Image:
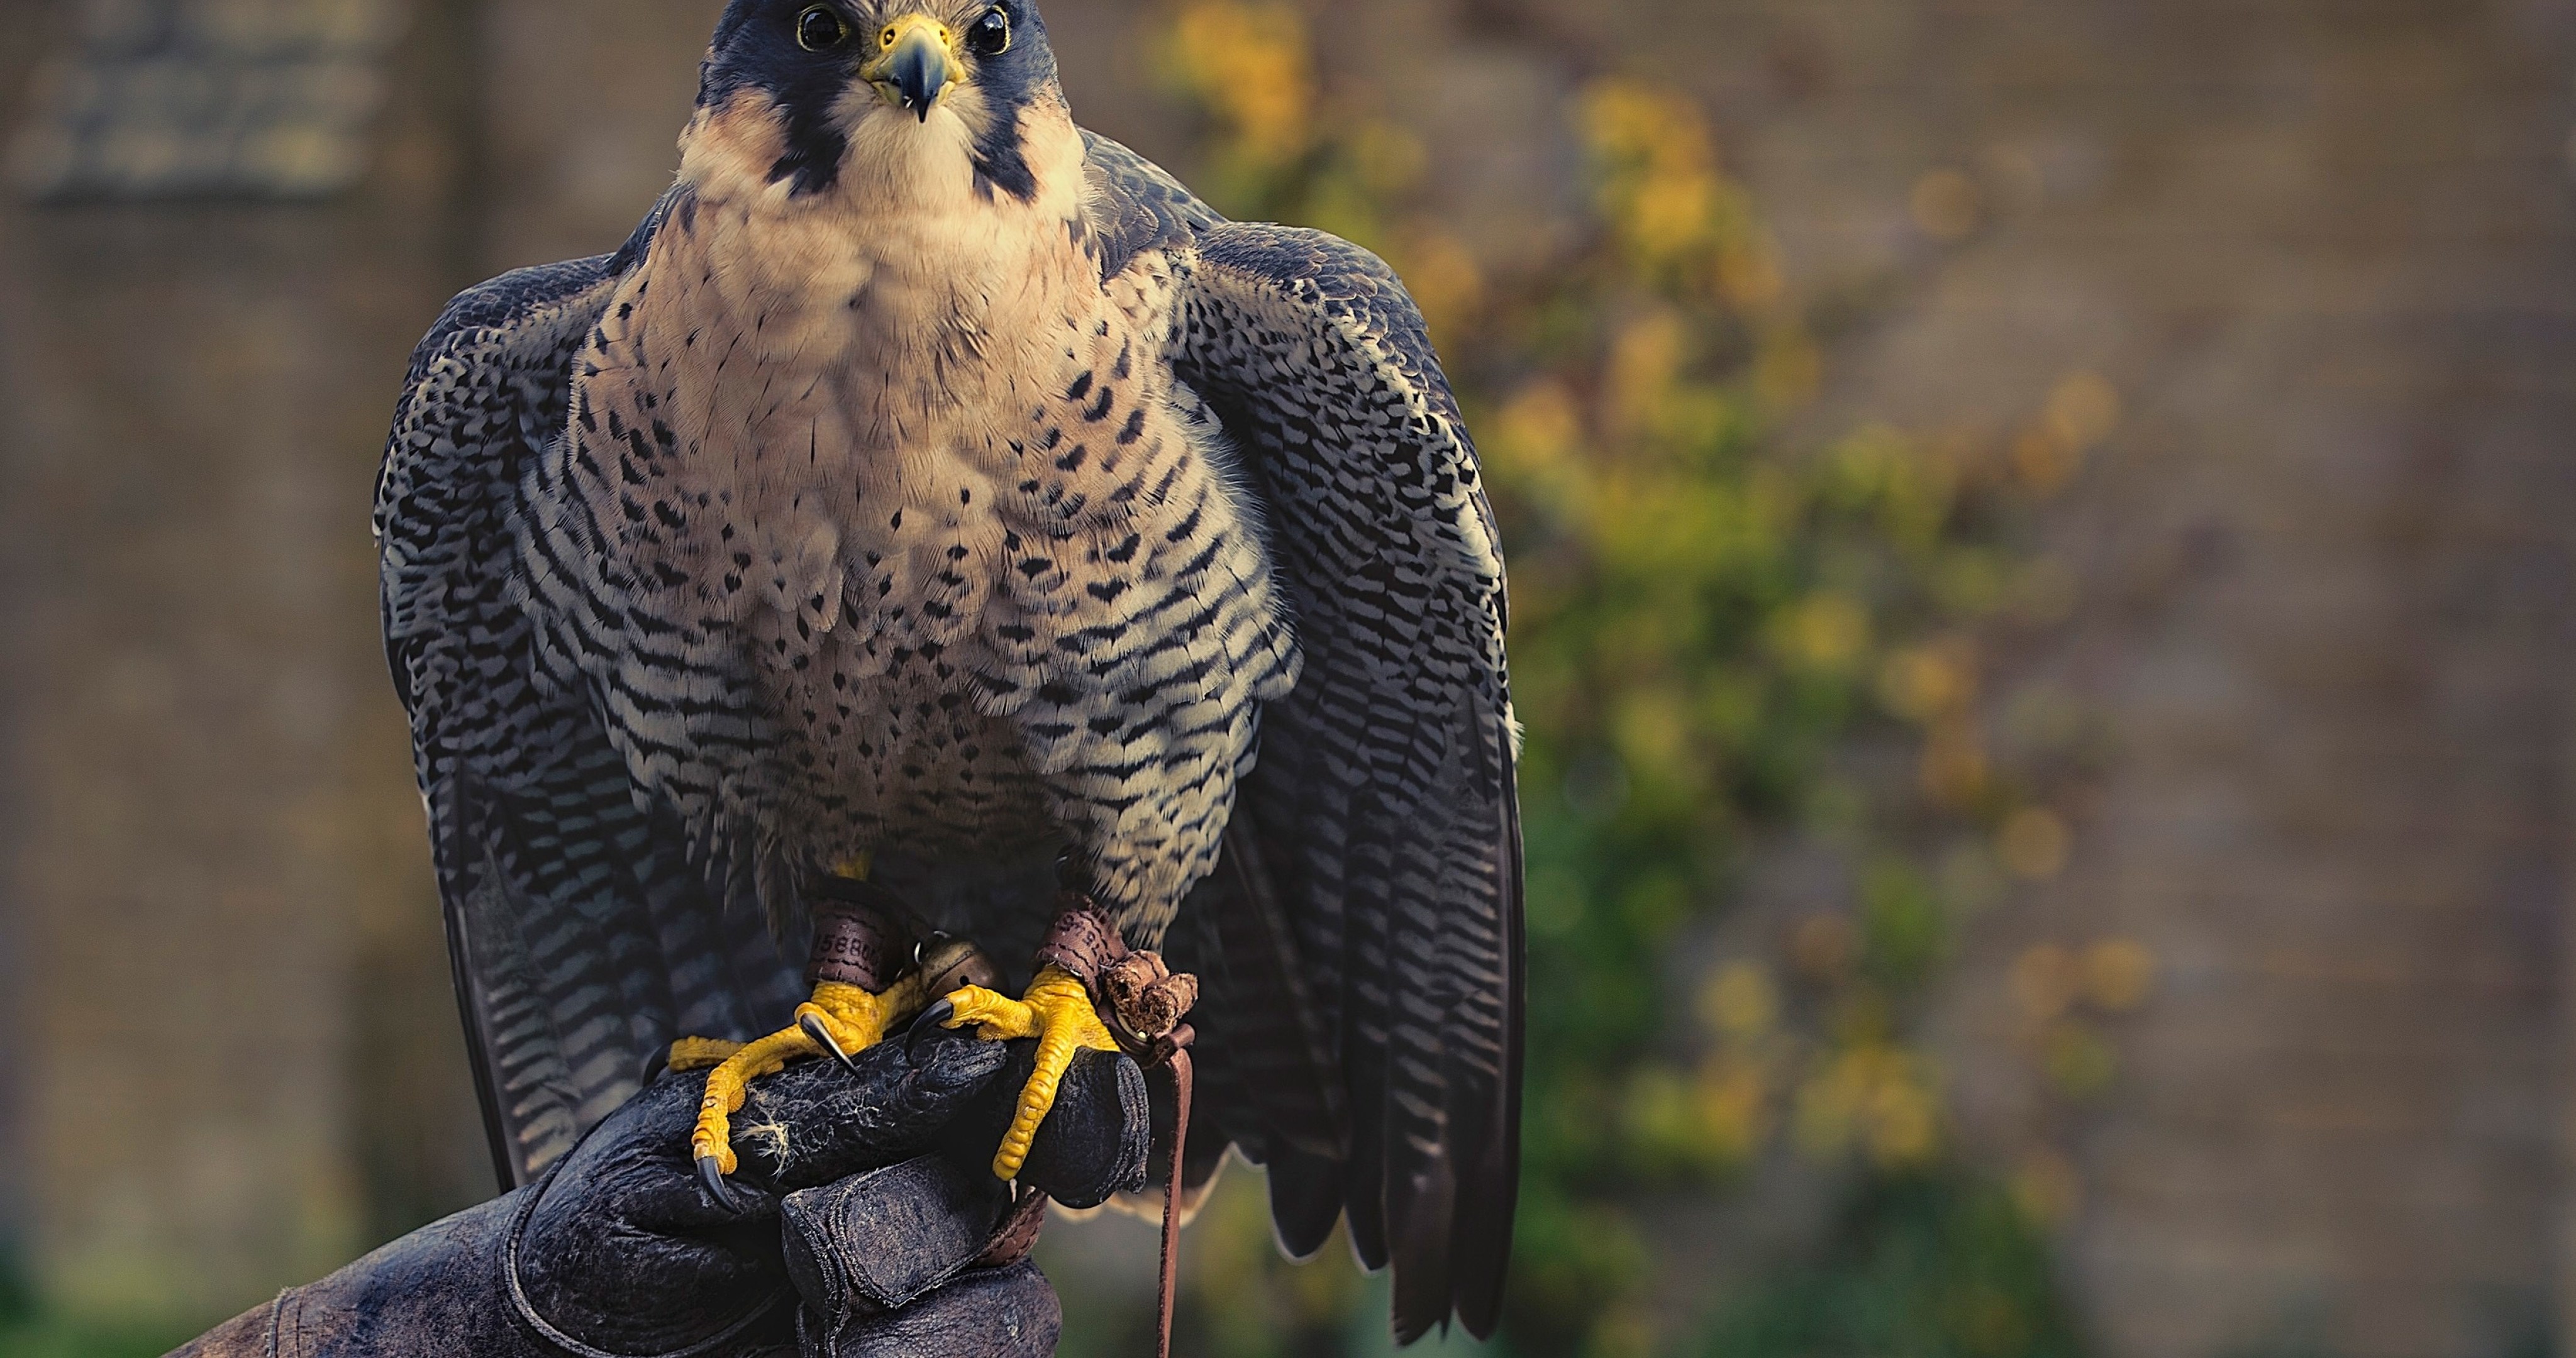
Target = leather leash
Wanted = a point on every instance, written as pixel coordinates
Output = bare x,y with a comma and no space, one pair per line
1178,1061
1145,1002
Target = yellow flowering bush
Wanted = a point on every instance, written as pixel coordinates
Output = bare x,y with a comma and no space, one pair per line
1723,639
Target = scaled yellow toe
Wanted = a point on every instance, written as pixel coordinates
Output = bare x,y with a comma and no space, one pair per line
1057,1012
856,1020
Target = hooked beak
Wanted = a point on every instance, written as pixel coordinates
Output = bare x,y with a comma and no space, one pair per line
916,63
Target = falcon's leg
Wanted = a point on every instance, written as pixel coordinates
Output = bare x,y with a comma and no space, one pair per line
1057,1012
841,1020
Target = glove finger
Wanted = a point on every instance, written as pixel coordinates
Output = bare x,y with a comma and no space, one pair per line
637,1167
988,1313
1094,1142
814,1122
624,1216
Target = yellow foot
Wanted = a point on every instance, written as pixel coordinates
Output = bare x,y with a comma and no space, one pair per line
844,1020
702,1053
840,1021
1058,1013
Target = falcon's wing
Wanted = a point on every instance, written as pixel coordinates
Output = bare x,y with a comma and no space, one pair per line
582,941
1136,205
1379,836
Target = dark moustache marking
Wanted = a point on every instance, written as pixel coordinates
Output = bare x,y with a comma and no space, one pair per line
1012,83
755,49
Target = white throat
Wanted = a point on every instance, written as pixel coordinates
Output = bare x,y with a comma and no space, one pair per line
908,250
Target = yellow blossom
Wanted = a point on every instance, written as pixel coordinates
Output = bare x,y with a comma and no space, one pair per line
2083,410
1945,205
1732,1100
2044,981
1444,277
1955,770
1669,213
2119,974
1643,366
1788,370
1250,63
2047,1189
2034,843
1748,275
2043,463
1825,632
1872,1098
2079,1060
1739,1001
1933,680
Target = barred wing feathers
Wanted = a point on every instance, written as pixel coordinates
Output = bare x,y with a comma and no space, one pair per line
582,941
1382,816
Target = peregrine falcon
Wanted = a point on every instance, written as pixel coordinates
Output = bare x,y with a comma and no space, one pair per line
934,490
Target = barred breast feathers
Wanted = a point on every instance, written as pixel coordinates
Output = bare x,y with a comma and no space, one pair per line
878,503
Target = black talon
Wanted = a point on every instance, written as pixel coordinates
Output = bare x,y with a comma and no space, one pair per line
929,1022
711,1173
813,1026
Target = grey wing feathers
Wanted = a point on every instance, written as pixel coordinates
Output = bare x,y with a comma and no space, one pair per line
1382,813
582,943
1135,205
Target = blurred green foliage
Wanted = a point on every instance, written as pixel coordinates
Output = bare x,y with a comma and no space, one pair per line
1725,637
27,1331
1920,1266
40,1338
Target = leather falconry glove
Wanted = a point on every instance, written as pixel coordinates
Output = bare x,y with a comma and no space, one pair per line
865,1224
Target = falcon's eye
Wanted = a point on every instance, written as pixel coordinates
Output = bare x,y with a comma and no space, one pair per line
819,29
991,35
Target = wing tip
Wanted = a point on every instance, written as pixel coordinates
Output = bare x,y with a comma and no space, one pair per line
1305,1202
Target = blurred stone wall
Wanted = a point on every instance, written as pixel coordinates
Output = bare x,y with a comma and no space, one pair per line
216,874
2327,253
17,675
2324,248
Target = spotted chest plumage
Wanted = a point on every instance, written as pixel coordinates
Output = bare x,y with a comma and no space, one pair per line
910,537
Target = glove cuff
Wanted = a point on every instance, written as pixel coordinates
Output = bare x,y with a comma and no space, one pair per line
990,1312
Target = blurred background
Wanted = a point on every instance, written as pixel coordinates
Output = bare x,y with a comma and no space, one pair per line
2042,556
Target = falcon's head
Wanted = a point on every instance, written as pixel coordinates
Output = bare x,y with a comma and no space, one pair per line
884,97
